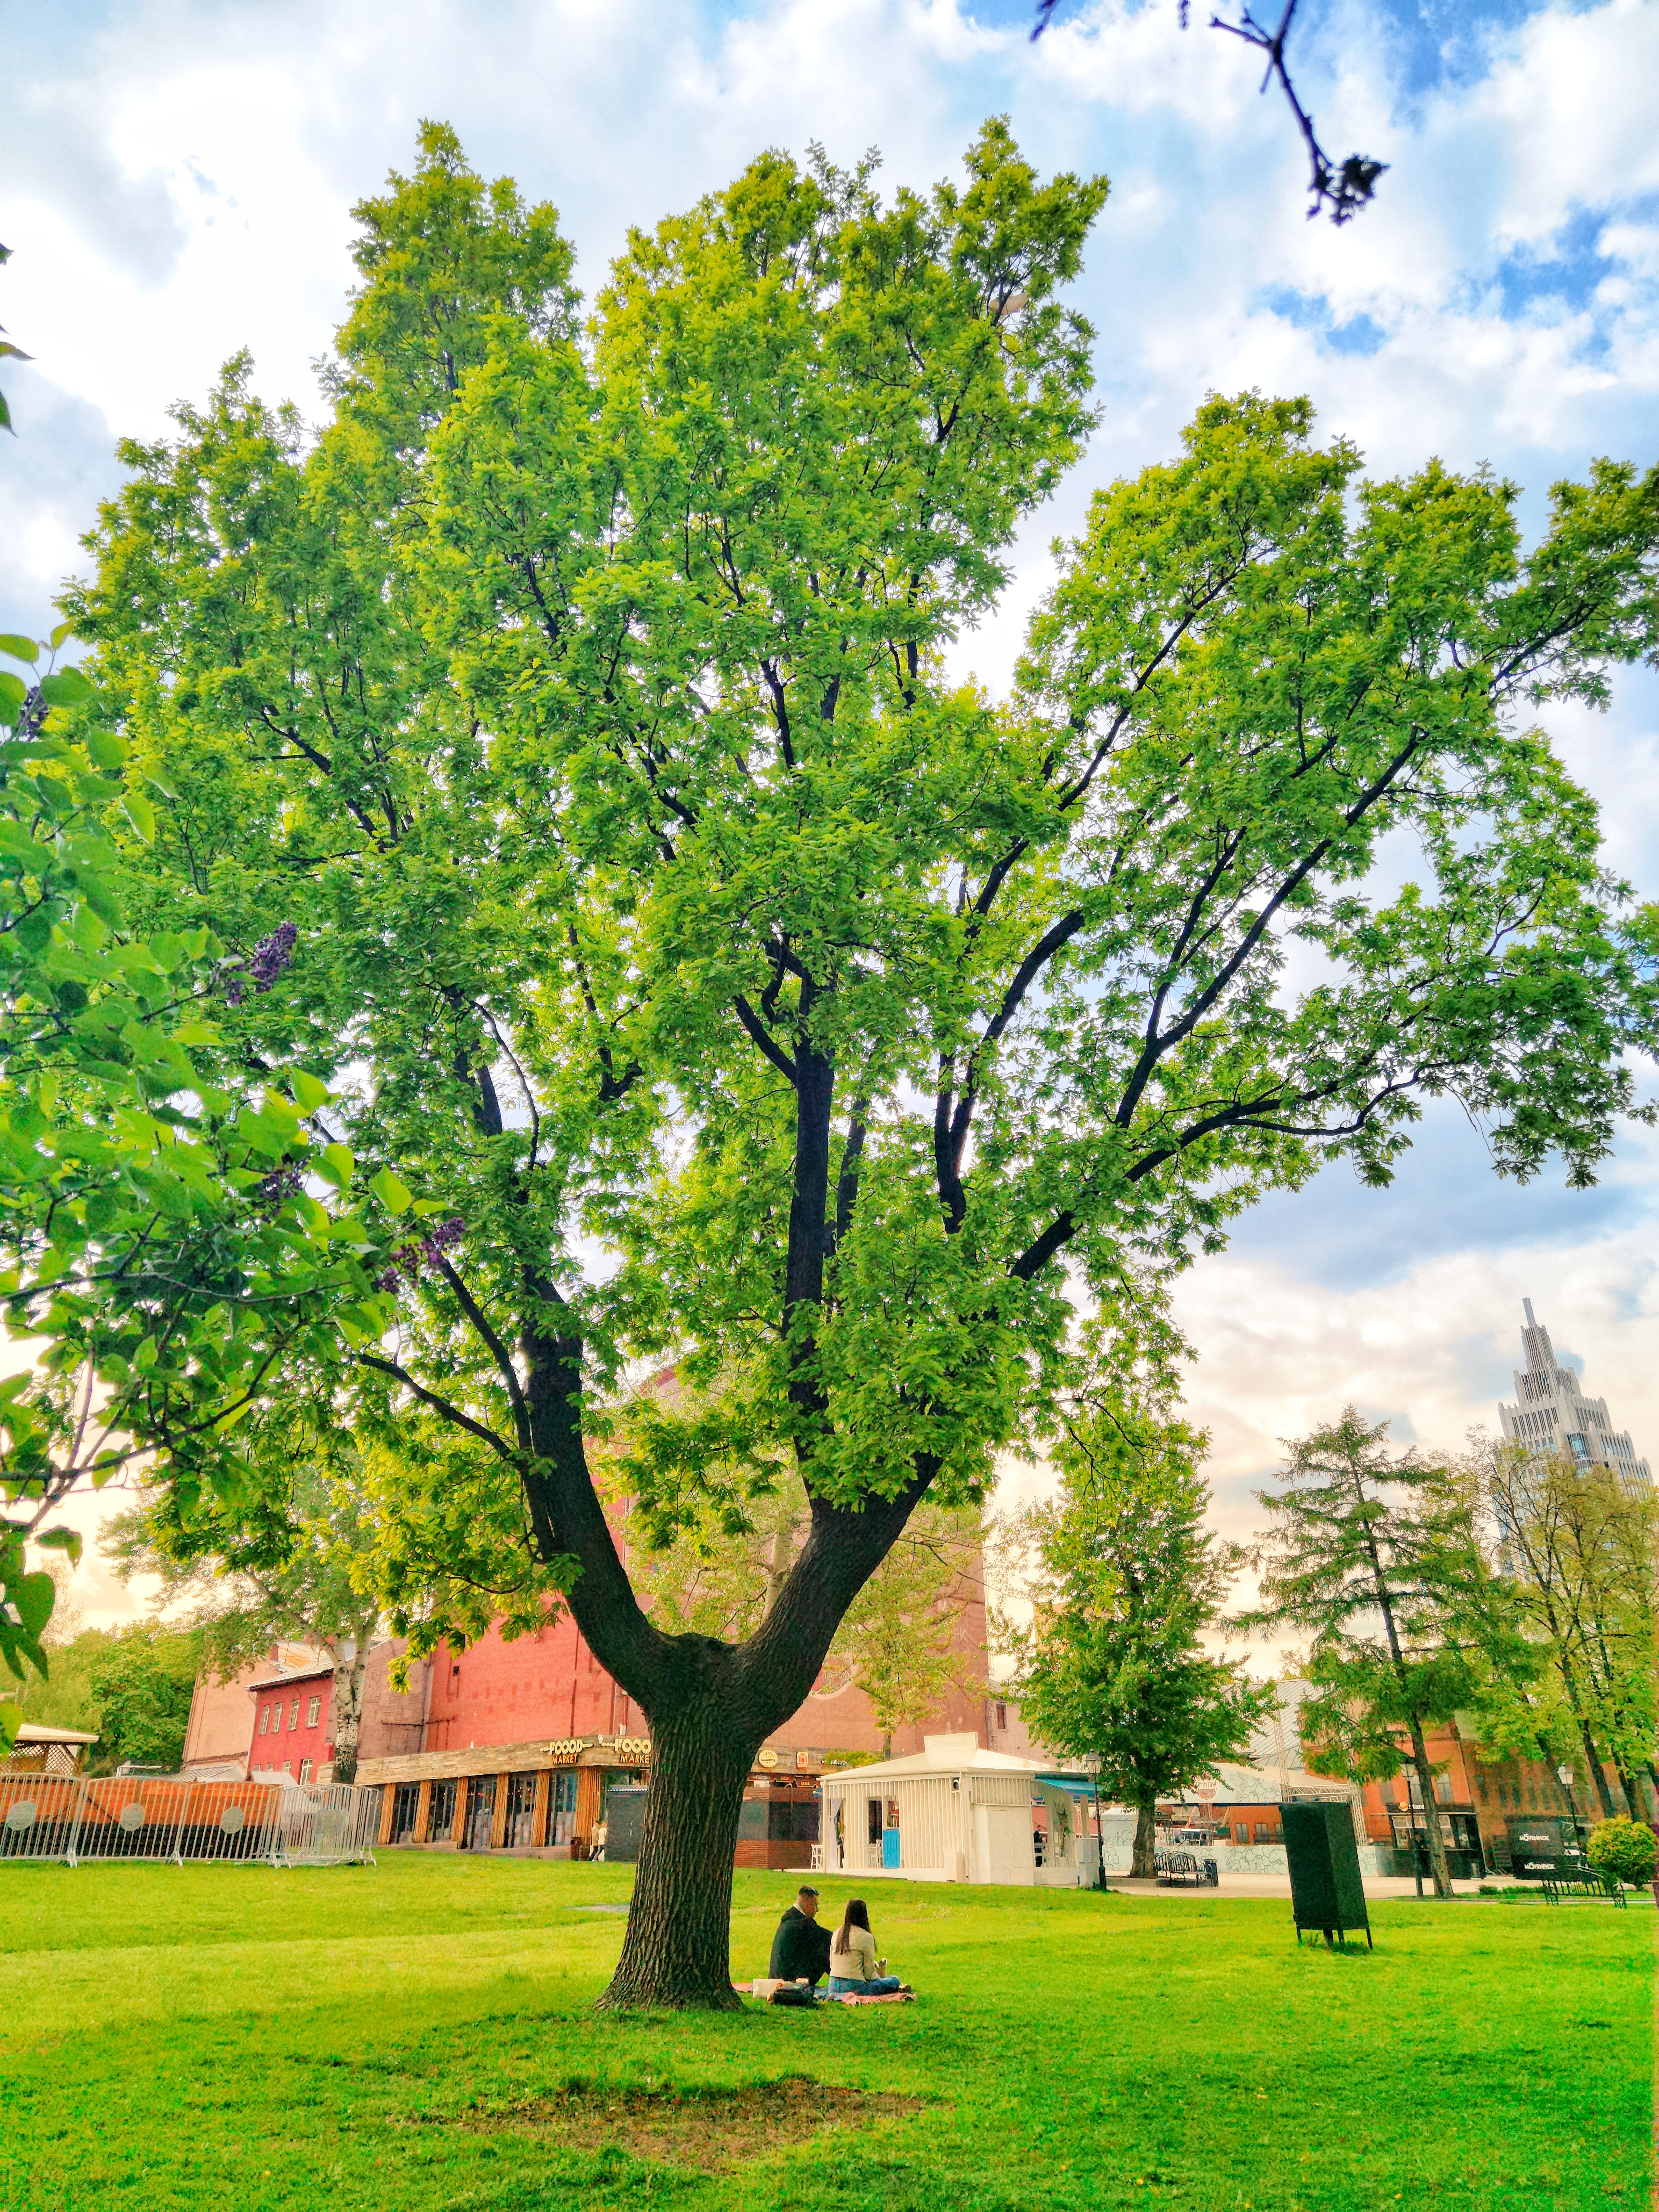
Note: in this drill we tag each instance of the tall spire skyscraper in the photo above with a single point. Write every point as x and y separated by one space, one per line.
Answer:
1552 1415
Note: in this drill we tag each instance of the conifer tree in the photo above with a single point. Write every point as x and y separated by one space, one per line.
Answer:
1374 1559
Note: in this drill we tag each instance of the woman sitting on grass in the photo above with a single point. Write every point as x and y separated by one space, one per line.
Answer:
854 1969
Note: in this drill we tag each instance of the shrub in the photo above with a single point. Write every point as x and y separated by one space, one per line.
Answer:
1623 1849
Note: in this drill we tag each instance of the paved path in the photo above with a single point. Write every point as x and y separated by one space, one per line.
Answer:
1278 1885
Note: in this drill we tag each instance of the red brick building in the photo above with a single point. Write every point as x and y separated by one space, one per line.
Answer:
291 1735
514 1745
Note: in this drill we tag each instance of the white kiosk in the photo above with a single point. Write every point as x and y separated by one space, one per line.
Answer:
955 1811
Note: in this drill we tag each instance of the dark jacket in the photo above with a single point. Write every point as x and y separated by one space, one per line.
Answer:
800 1947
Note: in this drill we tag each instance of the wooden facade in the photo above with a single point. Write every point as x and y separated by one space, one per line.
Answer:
477 1800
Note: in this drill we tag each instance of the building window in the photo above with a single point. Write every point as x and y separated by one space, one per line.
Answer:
440 1812
520 1810
405 1804
307 1767
561 1806
312 1711
1262 1831
480 1812
1002 1717
293 1714
1443 1788
265 1718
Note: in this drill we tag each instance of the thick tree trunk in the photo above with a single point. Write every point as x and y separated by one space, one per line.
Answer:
710 1705
677 1949
1437 1841
1143 1863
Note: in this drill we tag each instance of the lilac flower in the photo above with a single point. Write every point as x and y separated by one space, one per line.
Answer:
272 954
444 1238
406 1260
270 957
277 1186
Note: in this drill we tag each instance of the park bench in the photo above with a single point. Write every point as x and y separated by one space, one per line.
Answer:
1174 1867
1589 1884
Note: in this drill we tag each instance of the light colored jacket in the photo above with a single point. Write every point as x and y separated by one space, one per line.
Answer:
857 1963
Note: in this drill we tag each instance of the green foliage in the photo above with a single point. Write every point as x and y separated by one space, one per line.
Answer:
696 971
141 1683
1578 1550
614 746
112 1142
282 1560
1623 1849
129 1687
1125 1580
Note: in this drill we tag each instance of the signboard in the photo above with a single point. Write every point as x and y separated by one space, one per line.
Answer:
767 1757
1326 1889
1206 1788
1544 1847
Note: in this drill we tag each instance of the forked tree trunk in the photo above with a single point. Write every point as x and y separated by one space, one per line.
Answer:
710 1704
676 1950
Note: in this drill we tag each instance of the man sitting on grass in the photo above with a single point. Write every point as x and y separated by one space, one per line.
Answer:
801 1949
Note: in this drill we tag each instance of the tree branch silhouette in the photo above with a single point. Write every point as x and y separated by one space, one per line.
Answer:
1342 188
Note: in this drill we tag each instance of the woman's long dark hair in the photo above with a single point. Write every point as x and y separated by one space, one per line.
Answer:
856 1916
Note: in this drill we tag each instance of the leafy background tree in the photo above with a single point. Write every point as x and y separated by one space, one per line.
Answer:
129 1687
295 1573
1577 1552
1125 1582
726 982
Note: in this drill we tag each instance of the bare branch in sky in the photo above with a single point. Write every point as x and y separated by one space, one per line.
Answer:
1342 187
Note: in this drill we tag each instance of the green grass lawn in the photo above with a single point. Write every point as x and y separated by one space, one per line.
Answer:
418 2036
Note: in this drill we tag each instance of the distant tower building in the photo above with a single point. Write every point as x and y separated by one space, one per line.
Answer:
1552 1415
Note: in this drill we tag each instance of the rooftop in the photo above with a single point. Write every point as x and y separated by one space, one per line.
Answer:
949 1754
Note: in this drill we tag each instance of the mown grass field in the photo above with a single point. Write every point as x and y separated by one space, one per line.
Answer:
417 2036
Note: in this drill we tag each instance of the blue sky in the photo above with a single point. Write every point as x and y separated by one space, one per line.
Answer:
175 181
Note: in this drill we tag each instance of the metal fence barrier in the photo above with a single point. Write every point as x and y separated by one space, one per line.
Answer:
70 1818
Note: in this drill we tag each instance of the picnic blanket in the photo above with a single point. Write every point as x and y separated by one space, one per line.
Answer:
764 1986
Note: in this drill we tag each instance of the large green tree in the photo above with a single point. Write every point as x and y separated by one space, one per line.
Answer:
1125 1581
726 978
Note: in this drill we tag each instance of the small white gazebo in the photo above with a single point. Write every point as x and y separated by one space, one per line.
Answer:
955 1811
